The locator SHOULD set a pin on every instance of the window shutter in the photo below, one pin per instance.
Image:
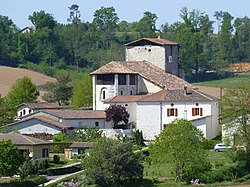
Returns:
(164, 126)
(176, 112)
(201, 112)
(192, 111)
(168, 112)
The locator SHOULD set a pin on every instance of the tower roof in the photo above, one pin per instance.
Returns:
(151, 41)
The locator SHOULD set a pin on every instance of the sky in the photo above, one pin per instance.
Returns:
(128, 10)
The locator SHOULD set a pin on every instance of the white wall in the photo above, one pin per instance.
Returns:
(34, 126)
(146, 86)
(149, 119)
(80, 123)
(23, 109)
(153, 54)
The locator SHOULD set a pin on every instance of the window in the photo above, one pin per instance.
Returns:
(96, 124)
(21, 114)
(197, 112)
(165, 126)
(122, 79)
(172, 112)
(24, 112)
(30, 111)
(131, 92)
(105, 79)
(132, 79)
(121, 92)
(79, 124)
(45, 152)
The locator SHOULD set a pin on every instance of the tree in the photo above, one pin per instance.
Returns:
(87, 134)
(181, 145)
(112, 164)
(6, 114)
(82, 93)
(116, 114)
(146, 25)
(74, 14)
(42, 19)
(235, 113)
(59, 91)
(22, 91)
(10, 159)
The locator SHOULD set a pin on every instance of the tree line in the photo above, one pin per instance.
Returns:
(86, 46)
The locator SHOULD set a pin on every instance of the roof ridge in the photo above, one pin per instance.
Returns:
(203, 94)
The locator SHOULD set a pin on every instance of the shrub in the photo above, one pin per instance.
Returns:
(56, 159)
(64, 170)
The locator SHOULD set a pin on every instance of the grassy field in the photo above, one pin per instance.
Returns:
(226, 82)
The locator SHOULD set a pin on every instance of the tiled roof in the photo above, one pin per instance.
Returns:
(77, 114)
(46, 120)
(146, 70)
(81, 145)
(165, 95)
(41, 105)
(20, 139)
(158, 41)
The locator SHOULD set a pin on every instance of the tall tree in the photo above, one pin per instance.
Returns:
(218, 15)
(8, 42)
(82, 93)
(59, 91)
(105, 21)
(42, 19)
(147, 25)
(6, 114)
(180, 145)
(74, 14)
(235, 113)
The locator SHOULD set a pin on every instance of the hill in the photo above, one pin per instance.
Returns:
(8, 76)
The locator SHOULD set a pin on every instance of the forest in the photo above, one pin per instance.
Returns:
(85, 46)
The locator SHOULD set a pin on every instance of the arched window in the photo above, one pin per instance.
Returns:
(104, 92)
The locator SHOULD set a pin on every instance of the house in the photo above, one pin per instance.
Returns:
(53, 121)
(28, 108)
(28, 146)
(153, 112)
(148, 84)
(27, 30)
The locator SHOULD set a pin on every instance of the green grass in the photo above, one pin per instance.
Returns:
(239, 77)
(63, 162)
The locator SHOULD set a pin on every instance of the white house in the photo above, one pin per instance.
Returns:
(149, 86)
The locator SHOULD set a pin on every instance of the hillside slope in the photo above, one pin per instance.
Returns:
(9, 75)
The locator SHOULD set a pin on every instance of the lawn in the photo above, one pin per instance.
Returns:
(63, 162)
(238, 77)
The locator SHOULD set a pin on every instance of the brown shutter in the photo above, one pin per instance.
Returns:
(168, 112)
(201, 112)
(164, 126)
(192, 111)
(176, 112)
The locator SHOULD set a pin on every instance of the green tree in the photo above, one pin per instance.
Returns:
(10, 159)
(82, 93)
(42, 19)
(6, 114)
(22, 91)
(59, 91)
(87, 134)
(112, 164)
(8, 42)
(235, 113)
(181, 145)
(146, 25)
(116, 114)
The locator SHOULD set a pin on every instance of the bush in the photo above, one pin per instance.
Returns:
(56, 159)
(62, 171)
(39, 166)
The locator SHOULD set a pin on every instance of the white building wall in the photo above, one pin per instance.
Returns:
(144, 86)
(80, 123)
(109, 91)
(149, 119)
(23, 111)
(34, 126)
(152, 54)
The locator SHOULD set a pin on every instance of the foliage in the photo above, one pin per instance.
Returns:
(87, 134)
(22, 91)
(60, 137)
(82, 93)
(6, 114)
(181, 146)
(32, 181)
(56, 159)
(25, 170)
(10, 159)
(138, 138)
(111, 164)
(235, 106)
(59, 91)
(116, 114)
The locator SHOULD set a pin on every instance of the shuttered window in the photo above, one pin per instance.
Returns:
(197, 112)
(172, 112)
